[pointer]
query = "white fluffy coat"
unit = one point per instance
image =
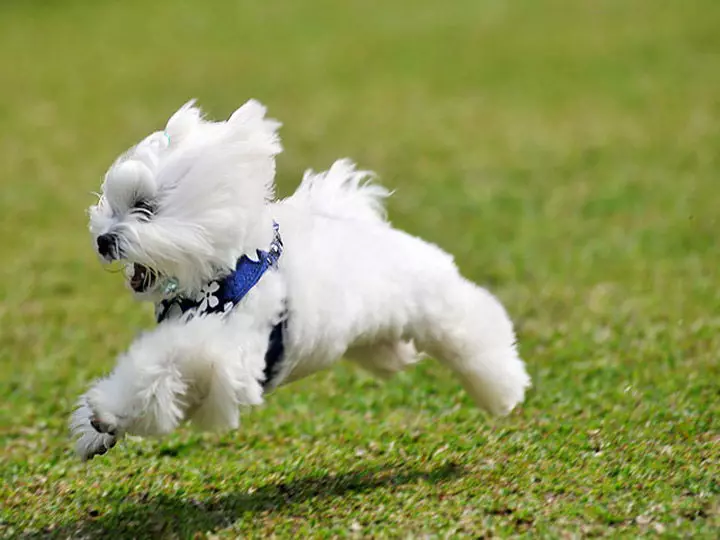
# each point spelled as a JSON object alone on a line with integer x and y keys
{"x": 353, "y": 286}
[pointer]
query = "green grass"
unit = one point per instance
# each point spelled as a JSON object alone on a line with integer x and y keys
{"x": 567, "y": 152}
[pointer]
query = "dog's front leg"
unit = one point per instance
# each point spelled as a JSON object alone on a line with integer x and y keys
{"x": 201, "y": 369}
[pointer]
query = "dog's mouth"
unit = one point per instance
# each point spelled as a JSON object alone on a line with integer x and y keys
{"x": 142, "y": 278}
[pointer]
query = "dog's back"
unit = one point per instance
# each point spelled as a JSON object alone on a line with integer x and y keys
{"x": 341, "y": 192}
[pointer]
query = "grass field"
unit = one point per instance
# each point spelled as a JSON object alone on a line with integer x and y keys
{"x": 566, "y": 151}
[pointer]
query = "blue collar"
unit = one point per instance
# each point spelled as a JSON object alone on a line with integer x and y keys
{"x": 223, "y": 295}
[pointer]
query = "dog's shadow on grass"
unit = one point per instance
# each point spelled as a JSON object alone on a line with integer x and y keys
{"x": 167, "y": 516}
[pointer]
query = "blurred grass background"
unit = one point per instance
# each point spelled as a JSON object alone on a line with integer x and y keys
{"x": 567, "y": 152}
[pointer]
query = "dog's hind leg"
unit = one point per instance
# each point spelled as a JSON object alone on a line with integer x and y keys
{"x": 386, "y": 358}
{"x": 467, "y": 329}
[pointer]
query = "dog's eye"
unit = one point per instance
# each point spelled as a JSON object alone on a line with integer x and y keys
{"x": 144, "y": 208}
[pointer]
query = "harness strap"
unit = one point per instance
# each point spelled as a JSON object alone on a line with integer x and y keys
{"x": 275, "y": 353}
{"x": 221, "y": 297}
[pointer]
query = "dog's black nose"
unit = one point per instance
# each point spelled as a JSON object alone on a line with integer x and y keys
{"x": 107, "y": 245}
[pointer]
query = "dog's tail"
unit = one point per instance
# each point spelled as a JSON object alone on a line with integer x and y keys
{"x": 343, "y": 192}
{"x": 474, "y": 337}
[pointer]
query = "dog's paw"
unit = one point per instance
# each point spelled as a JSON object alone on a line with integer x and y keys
{"x": 94, "y": 436}
{"x": 94, "y": 444}
{"x": 100, "y": 416}
{"x": 102, "y": 426}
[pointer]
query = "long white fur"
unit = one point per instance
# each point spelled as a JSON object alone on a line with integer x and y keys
{"x": 354, "y": 286}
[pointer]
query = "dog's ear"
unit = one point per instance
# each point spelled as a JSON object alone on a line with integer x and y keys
{"x": 183, "y": 122}
{"x": 250, "y": 124}
{"x": 234, "y": 158}
{"x": 252, "y": 114}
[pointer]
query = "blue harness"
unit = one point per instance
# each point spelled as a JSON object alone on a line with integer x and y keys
{"x": 221, "y": 296}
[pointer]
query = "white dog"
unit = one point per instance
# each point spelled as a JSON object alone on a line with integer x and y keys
{"x": 253, "y": 293}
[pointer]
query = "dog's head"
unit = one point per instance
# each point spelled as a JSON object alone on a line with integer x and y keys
{"x": 187, "y": 202}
